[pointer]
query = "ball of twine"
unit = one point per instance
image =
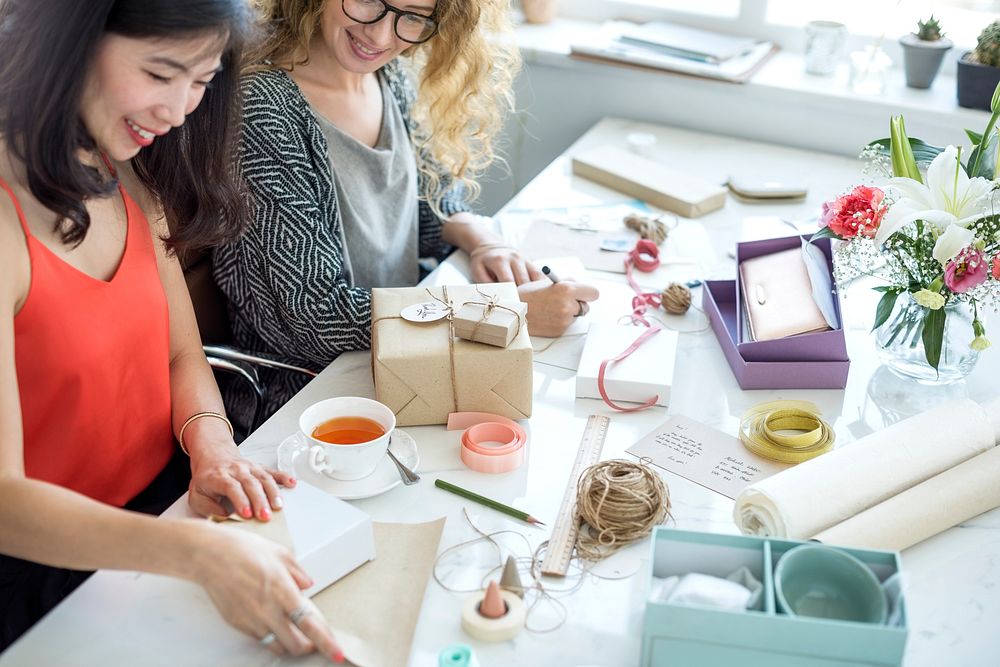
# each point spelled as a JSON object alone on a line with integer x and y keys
{"x": 620, "y": 501}
{"x": 676, "y": 299}
{"x": 652, "y": 229}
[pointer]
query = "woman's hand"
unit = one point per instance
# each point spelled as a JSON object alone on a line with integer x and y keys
{"x": 498, "y": 263}
{"x": 257, "y": 587}
{"x": 218, "y": 471}
{"x": 553, "y": 306}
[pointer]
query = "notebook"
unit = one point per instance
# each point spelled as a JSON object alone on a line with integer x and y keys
{"x": 687, "y": 42}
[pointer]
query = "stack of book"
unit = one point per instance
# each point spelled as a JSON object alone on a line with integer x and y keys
{"x": 678, "y": 48}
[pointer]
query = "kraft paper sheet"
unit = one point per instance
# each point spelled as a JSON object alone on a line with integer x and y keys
{"x": 943, "y": 501}
{"x": 373, "y": 611}
{"x": 813, "y": 496}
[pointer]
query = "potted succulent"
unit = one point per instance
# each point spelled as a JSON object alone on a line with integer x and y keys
{"x": 923, "y": 52}
{"x": 979, "y": 70}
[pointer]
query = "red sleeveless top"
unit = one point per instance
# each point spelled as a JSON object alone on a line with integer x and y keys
{"x": 93, "y": 369}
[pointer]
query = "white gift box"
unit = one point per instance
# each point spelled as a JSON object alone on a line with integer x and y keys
{"x": 647, "y": 372}
{"x": 330, "y": 538}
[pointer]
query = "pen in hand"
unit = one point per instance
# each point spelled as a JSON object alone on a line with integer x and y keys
{"x": 584, "y": 306}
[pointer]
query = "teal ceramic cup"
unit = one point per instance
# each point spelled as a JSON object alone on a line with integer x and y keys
{"x": 823, "y": 582}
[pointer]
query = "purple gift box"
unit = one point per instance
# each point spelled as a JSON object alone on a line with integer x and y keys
{"x": 719, "y": 303}
{"x": 820, "y": 346}
{"x": 808, "y": 361}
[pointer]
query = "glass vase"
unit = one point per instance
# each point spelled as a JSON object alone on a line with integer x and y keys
{"x": 901, "y": 347}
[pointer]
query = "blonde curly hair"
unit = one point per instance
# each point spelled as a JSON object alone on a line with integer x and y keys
{"x": 465, "y": 74}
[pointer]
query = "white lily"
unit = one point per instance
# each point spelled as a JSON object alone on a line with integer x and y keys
{"x": 950, "y": 243}
{"x": 949, "y": 198}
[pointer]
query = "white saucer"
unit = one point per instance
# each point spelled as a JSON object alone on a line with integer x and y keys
{"x": 293, "y": 458}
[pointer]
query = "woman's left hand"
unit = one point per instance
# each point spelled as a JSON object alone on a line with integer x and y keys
{"x": 219, "y": 472}
{"x": 496, "y": 263}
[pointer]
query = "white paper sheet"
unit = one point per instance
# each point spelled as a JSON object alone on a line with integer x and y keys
{"x": 704, "y": 455}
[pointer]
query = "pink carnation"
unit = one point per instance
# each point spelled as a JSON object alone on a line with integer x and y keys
{"x": 995, "y": 266}
{"x": 858, "y": 213}
{"x": 967, "y": 270}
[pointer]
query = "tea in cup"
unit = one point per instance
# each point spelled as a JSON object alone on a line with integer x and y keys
{"x": 347, "y": 436}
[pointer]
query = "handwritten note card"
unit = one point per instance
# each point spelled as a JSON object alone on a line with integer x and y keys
{"x": 704, "y": 455}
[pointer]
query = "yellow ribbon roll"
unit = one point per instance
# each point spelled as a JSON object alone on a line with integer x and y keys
{"x": 765, "y": 431}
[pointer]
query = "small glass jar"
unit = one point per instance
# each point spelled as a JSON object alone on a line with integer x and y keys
{"x": 869, "y": 71}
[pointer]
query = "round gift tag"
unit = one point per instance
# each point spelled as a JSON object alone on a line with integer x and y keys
{"x": 428, "y": 311}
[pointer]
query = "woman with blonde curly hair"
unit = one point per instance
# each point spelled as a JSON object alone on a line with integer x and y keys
{"x": 356, "y": 174}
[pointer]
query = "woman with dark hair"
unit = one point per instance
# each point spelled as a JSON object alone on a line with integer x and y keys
{"x": 100, "y": 360}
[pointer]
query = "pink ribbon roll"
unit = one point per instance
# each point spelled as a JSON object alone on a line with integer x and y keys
{"x": 484, "y": 427}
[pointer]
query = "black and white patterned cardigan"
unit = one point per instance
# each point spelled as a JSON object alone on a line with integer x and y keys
{"x": 285, "y": 277}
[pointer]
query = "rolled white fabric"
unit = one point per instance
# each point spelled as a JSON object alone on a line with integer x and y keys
{"x": 805, "y": 500}
{"x": 922, "y": 511}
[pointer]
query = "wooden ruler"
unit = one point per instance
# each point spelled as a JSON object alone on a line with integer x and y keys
{"x": 565, "y": 530}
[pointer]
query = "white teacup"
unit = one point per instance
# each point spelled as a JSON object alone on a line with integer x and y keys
{"x": 351, "y": 461}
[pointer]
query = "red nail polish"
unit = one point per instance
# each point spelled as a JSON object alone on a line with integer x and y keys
{"x": 291, "y": 481}
{"x": 247, "y": 513}
{"x": 265, "y": 514}
{"x": 338, "y": 657}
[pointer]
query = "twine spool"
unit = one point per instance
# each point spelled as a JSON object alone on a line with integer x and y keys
{"x": 676, "y": 299}
{"x": 620, "y": 501}
{"x": 652, "y": 229}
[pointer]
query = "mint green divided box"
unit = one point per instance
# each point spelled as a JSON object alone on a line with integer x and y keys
{"x": 698, "y": 636}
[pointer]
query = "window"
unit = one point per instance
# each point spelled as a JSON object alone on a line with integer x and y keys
{"x": 962, "y": 20}
{"x": 782, "y": 20}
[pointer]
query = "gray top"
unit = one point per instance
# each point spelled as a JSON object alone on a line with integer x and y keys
{"x": 378, "y": 200}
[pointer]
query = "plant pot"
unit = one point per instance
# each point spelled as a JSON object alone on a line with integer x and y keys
{"x": 538, "y": 11}
{"x": 976, "y": 84}
{"x": 922, "y": 59}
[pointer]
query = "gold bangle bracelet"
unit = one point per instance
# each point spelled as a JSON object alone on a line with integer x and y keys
{"x": 199, "y": 415}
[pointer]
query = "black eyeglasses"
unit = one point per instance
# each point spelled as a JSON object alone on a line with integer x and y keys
{"x": 409, "y": 26}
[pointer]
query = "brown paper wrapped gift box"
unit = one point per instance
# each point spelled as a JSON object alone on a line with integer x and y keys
{"x": 423, "y": 373}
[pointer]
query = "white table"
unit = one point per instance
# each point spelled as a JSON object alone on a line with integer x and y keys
{"x": 953, "y": 580}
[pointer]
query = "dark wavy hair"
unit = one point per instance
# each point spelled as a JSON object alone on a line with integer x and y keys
{"x": 48, "y": 47}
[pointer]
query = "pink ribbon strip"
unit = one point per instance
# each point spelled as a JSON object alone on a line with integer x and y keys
{"x": 646, "y": 335}
{"x": 484, "y": 427}
{"x": 645, "y": 256}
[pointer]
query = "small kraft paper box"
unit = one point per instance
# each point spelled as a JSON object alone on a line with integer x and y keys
{"x": 489, "y": 320}
{"x": 652, "y": 182}
{"x": 676, "y": 635}
{"x": 423, "y": 372}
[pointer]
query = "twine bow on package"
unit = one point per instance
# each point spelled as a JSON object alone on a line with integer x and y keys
{"x": 424, "y": 370}
{"x": 488, "y": 320}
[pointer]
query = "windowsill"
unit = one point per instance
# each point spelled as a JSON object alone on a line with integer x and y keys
{"x": 783, "y": 76}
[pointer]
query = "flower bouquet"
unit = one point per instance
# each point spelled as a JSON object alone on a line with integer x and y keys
{"x": 933, "y": 238}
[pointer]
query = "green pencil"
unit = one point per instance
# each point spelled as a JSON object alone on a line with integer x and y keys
{"x": 482, "y": 500}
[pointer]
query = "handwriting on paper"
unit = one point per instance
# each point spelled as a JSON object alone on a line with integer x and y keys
{"x": 704, "y": 455}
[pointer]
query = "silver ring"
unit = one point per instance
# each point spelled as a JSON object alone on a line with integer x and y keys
{"x": 584, "y": 309}
{"x": 268, "y": 639}
{"x": 296, "y": 615}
